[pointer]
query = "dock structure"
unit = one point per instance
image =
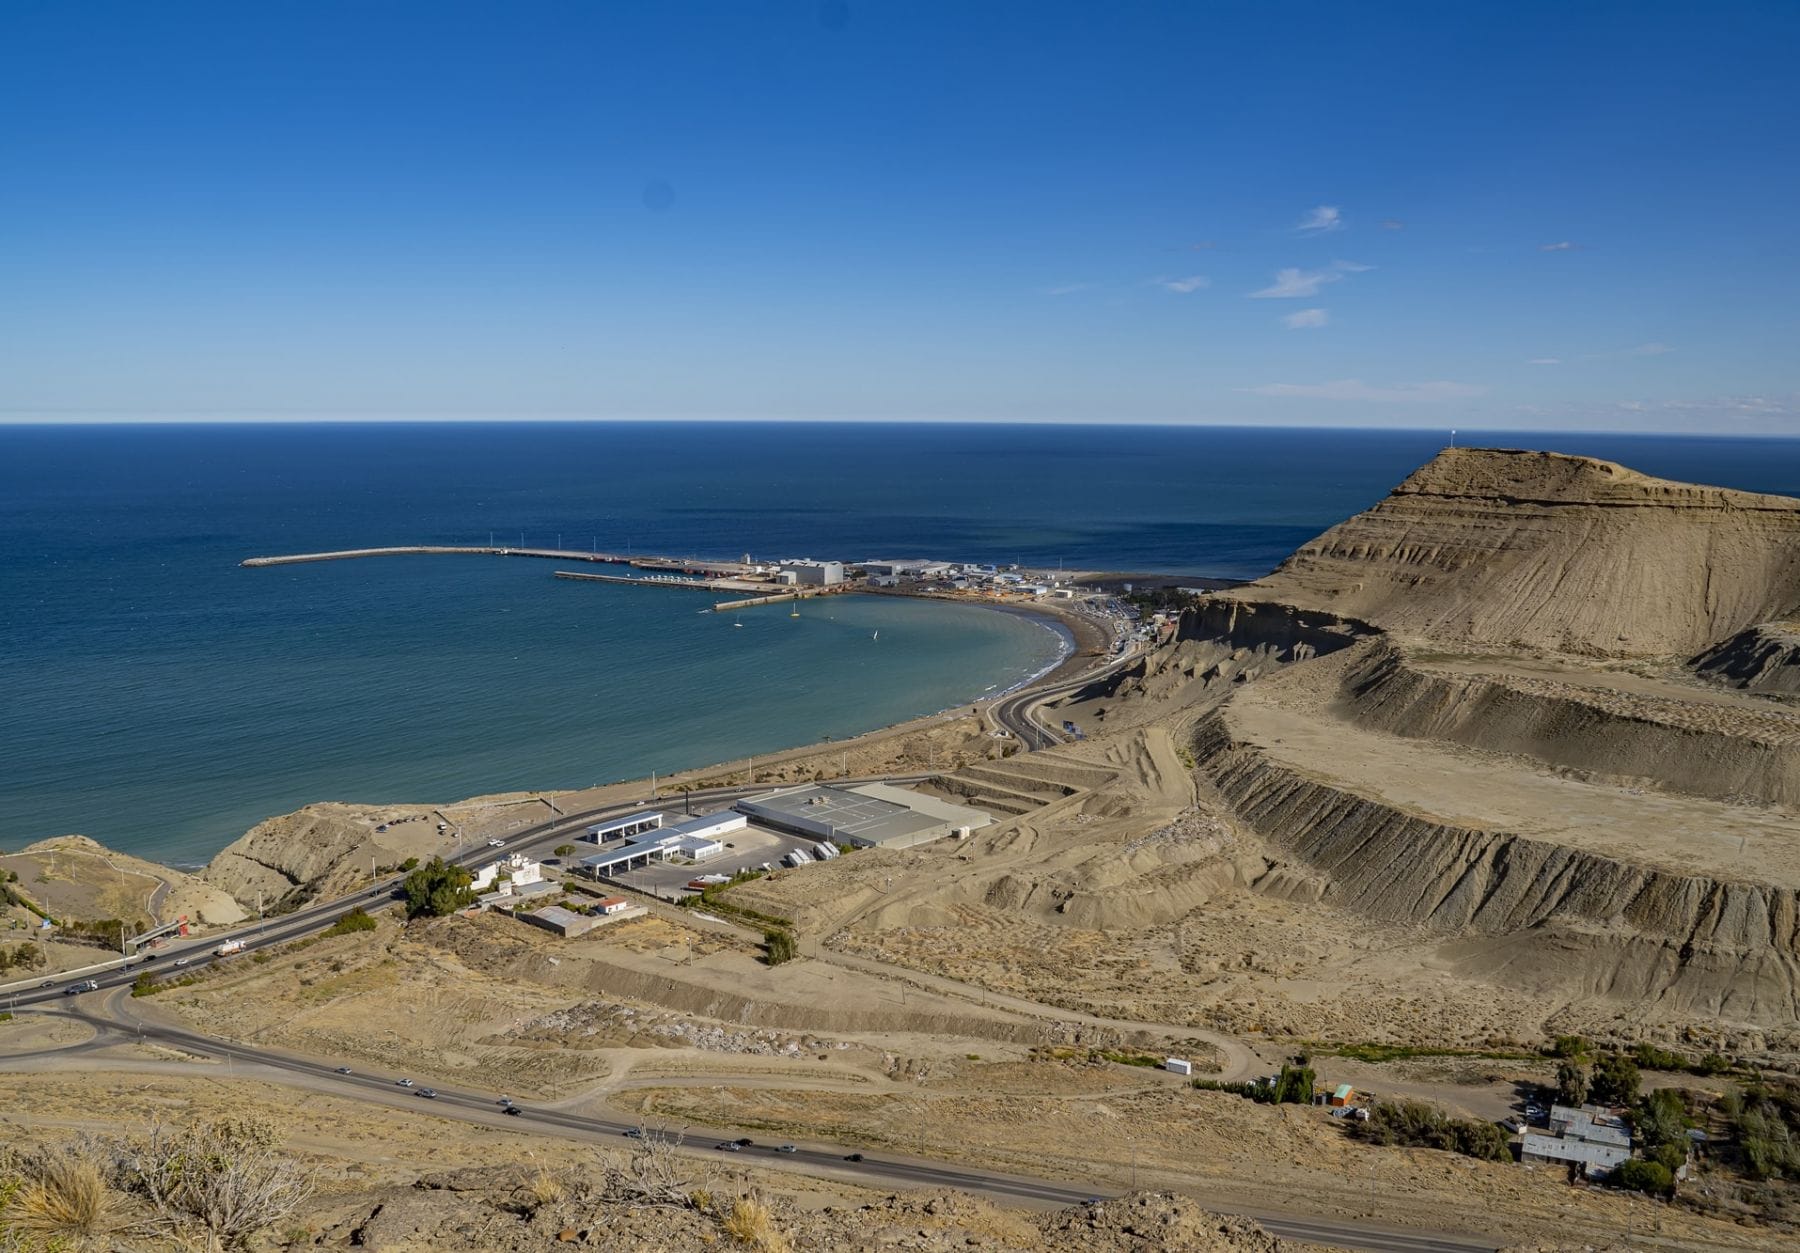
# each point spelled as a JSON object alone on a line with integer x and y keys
{"x": 807, "y": 593}
{"x": 683, "y": 565}
{"x": 635, "y": 580}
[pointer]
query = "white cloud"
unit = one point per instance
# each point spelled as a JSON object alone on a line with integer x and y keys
{"x": 1064, "y": 289}
{"x": 1356, "y": 389}
{"x": 1545, "y": 361}
{"x": 1182, "y": 286}
{"x": 1306, "y": 318}
{"x": 1562, "y": 245}
{"x": 1294, "y": 282}
{"x": 1322, "y": 219}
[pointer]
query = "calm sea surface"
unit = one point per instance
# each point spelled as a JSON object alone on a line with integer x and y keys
{"x": 157, "y": 697}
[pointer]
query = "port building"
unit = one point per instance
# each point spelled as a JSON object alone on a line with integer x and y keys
{"x": 868, "y": 815}
{"x": 696, "y": 839}
{"x": 806, "y": 571}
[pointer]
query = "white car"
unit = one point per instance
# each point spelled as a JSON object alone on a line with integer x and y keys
{"x": 496, "y": 843}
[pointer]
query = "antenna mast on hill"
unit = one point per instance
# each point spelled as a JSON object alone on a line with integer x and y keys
{"x": 1453, "y": 437}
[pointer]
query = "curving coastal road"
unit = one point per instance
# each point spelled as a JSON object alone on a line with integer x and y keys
{"x": 113, "y": 1021}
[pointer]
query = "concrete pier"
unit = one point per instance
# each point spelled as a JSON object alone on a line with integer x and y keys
{"x": 685, "y": 565}
{"x": 703, "y": 585}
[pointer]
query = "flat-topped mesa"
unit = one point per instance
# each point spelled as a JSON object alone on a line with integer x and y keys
{"x": 1515, "y": 549}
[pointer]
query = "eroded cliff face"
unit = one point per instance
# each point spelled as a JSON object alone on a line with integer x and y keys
{"x": 1740, "y": 750}
{"x": 1536, "y": 550}
{"x": 1764, "y": 658}
{"x": 320, "y": 851}
{"x": 1574, "y": 919}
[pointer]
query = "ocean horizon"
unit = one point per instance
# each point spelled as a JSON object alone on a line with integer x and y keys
{"x": 162, "y": 699}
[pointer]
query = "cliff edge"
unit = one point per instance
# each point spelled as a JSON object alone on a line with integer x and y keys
{"x": 1545, "y": 551}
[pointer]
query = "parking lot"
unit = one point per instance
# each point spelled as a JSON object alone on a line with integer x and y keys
{"x": 746, "y": 849}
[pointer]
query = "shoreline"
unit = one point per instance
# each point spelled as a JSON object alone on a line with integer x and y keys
{"x": 1078, "y": 637}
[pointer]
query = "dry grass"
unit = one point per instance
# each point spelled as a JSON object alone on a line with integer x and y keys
{"x": 65, "y": 1201}
{"x": 547, "y": 1189}
{"x": 751, "y": 1223}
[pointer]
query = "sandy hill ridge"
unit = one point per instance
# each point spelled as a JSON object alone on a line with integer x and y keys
{"x": 1510, "y": 548}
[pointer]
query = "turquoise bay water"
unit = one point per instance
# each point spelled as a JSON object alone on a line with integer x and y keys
{"x": 159, "y": 698}
{"x": 434, "y": 678}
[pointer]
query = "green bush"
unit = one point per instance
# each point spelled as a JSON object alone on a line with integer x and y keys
{"x": 409, "y": 865}
{"x": 437, "y": 888}
{"x": 1642, "y": 1176}
{"x": 563, "y": 850}
{"x": 1650, "y": 1057}
{"x": 779, "y": 947}
{"x": 1294, "y": 1086}
{"x": 1571, "y": 1083}
{"x": 1615, "y": 1081}
{"x": 1419, "y": 1125}
{"x": 356, "y": 920}
{"x": 1570, "y": 1046}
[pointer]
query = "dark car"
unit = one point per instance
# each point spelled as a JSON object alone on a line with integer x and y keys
{"x": 514, "y": 1110}
{"x": 744, "y": 1143}
{"x": 854, "y": 1157}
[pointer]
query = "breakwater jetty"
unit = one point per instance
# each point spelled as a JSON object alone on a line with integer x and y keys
{"x": 681, "y": 565}
{"x": 653, "y": 580}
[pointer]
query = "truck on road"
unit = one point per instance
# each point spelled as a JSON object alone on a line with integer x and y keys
{"x": 228, "y": 948}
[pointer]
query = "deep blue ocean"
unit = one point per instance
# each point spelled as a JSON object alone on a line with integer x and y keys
{"x": 159, "y": 698}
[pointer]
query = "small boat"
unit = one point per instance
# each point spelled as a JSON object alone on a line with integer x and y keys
{"x": 737, "y": 624}
{"x": 876, "y": 636}
{"x": 795, "y": 612}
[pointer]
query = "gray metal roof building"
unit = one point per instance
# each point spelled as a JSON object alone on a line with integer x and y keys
{"x": 852, "y": 816}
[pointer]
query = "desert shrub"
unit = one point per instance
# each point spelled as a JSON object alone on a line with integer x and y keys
{"x": 437, "y": 888}
{"x": 356, "y": 920}
{"x": 750, "y": 1222}
{"x": 1420, "y": 1125}
{"x": 1643, "y": 1176}
{"x": 1711, "y": 1064}
{"x": 225, "y": 1175}
{"x": 409, "y": 865}
{"x": 546, "y": 1188}
{"x": 779, "y": 946}
{"x": 61, "y": 1200}
{"x": 1570, "y": 1046}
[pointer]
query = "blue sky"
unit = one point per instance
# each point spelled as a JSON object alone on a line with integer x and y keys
{"x": 1488, "y": 215}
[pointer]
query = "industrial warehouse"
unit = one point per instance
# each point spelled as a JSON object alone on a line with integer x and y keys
{"x": 867, "y": 815}
{"x": 786, "y": 827}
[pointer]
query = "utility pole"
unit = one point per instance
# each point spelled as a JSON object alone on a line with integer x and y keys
{"x": 653, "y": 785}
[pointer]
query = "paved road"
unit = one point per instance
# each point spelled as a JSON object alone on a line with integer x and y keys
{"x": 1013, "y": 714}
{"x": 113, "y": 1021}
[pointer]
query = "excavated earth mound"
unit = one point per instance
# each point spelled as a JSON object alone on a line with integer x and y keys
{"x": 1764, "y": 658}
{"x": 1537, "y": 550}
